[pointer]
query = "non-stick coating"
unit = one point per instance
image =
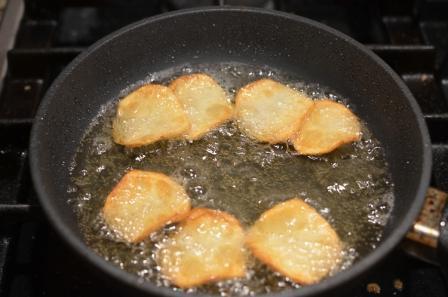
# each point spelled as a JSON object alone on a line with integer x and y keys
{"x": 261, "y": 37}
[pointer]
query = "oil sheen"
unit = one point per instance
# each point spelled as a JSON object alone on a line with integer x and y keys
{"x": 225, "y": 170}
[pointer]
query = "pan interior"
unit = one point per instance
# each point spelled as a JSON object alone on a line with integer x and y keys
{"x": 225, "y": 170}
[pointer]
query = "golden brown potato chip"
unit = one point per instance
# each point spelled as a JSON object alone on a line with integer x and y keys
{"x": 143, "y": 202}
{"x": 207, "y": 247}
{"x": 327, "y": 126}
{"x": 295, "y": 240}
{"x": 149, "y": 114}
{"x": 269, "y": 111}
{"x": 204, "y": 101}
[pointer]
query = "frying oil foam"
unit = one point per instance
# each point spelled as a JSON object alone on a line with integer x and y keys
{"x": 226, "y": 170}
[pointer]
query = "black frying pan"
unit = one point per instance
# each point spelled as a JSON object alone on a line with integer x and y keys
{"x": 253, "y": 36}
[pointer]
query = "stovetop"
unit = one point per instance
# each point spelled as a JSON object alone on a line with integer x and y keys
{"x": 411, "y": 36}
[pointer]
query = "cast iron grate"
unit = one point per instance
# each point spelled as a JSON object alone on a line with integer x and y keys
{"x": 409, "y": 35}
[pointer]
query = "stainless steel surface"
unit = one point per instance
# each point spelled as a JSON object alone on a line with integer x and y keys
{"x": 423, "y": 237}
{"x": 11, "y": 12}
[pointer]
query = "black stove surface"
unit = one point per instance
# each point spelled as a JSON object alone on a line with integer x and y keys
{"x": 412, "y": 36}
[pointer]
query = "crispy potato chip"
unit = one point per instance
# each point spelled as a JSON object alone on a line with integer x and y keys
{"x": 269, "y": 111}
{"x": 149, "y": 114}
{"x": 207, "y": 247}
{"x": 143, "y": 202}
{"x": 204, "y": 101}
{"x": 327, "y": 126}
{"x": 295, "y": 240}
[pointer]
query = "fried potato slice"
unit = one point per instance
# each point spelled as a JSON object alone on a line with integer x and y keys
{"x": 269, "y": 111}
{"x": 149, "y": 114}
{"x": 143, "y": 202}
{"x": 327, "y": 126}
{"x": 207, "y": 247}
{"x": 204, "y": 101}
{"x": 295, "y": 240}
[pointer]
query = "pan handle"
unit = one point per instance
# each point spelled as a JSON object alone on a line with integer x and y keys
{"x": 428, "y": 238}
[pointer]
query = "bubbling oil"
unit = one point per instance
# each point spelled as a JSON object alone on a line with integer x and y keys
{"x": 226, "y": 170}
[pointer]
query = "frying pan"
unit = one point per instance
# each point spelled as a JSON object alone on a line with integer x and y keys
{"x": 254, "y": 36}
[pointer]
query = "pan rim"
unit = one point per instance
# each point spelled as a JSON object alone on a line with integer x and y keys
{"x": 342, "y": 277}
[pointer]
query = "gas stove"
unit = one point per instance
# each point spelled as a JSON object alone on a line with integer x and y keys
{"x": 411, "y": 36}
